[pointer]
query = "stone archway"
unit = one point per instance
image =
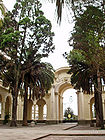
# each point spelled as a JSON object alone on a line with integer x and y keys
{"x": 62, "y": 88}
{"x": 62, "y": 83}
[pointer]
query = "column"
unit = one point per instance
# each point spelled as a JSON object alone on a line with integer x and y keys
{"x": 11, "y": 109}
{"x": 48, "y": 104}
{"x": 34, "y": 110}
{"x": 61, "y": 108}
{"x": 20, "y": 105}
{"x": 3, "y": 110}
{"x": 52, "y": 101}
{"x": 80, "y": 102}
{"x": 103, "y": 108}
{"x": 40, "y": 112}
{"x": 57, "y": 105}
{"x": 89, "y": 112}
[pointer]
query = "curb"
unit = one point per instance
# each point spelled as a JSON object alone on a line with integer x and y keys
{"x": 70, "y": 127}
{"x": 42, "y": 137}
{"x": 94, "y": 134}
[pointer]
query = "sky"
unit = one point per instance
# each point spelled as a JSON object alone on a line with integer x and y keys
{"x": 70, "y": 100}
{"x": 62, "y": 34}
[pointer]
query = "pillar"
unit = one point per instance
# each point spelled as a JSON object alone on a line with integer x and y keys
{"x": 34, "y": 110}
{"x": 48, "y": 104}
{"x": 80, "y": 101}
{"x": 52, "y": 107}
{"x": 57, "y": 105}
{"x": 11, "y": 109}
{"x": 40, "y": 112}
{"x": 20, "y": 105}
{"x": 61, "y": 108}
{"x": 3, "y": 110}
{"x": 89, "y": 117}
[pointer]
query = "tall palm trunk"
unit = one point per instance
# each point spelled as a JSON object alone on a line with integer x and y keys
{"x": 25, "y": 107}
{"x": 98, "y": 122}
{"x": 15, "y": 95}
{"x": 98, "y": 102}
{"x": 14, "y": 108}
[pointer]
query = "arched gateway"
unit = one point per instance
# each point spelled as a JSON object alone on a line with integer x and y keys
{"x": 50, "y": 108}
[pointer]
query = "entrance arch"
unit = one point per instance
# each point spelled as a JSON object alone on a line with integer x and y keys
{"x": 62, "y": 89}
{"x": 62, "y": 83}
{"x": 64, "y": 86}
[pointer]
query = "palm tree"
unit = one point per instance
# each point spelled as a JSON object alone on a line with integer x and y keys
{"x": 39, "y": 81}
{"x": 75, "y": 5}
{"x": 3, "y": 9}
{"x": 84, "y": 77}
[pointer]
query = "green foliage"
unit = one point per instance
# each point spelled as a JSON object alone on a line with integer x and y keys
{"x": 88, "y": 36}
{"x": 88, "y": 48}
{"x": 77, "y": 6}
{"x": 75, "y": 55}
{"x": 25, "y": 35}
{"x": 2, "y": 8}
{"x": 39, "y": 79}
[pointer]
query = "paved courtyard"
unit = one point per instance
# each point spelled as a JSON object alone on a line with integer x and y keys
{"x": 65, "y": 131}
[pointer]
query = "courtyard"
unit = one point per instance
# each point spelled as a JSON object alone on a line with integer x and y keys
{"x": 48, "y": 49}
{"x": 62, "y": 131}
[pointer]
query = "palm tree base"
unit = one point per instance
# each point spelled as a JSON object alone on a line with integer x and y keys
{"x": 13, "y": 123}
{"x": 25, "y": 124}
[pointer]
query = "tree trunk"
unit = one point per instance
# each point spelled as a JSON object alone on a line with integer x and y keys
{"x": 15, "y": 95}
{"x": 98, "y": 102}
{"x": 25, "y": 107}
{"x": 98, "y": 123}
{"x": 14, "y": 110}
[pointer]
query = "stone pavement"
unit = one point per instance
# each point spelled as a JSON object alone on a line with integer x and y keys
{"x": 65, "y": 131}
